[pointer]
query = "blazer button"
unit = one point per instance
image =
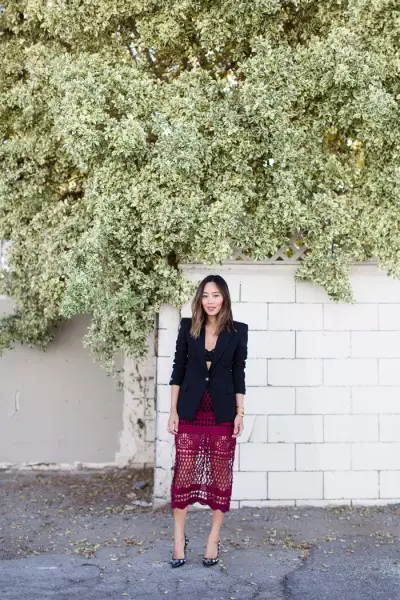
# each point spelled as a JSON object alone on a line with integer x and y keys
{"x": 207, "y": 378}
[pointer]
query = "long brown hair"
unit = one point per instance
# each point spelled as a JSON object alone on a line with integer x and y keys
{"x": 224, "y": 317}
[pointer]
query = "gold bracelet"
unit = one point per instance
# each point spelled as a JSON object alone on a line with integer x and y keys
{"x": 240, "y": 411}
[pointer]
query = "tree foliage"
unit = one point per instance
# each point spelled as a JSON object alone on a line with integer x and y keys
{"x": 137, "y": 135}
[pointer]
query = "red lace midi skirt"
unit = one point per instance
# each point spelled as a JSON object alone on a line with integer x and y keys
{"x": 204, "y": 455}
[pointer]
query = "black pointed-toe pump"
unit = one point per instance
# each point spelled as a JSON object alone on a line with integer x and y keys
{"x": 210, "y": 562}
{"x": 179, "y": 562}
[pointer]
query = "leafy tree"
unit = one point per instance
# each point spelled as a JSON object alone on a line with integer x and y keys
{"x": 137, "y": 135}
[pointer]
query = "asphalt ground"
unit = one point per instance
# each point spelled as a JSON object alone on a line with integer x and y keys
{"x": 92, "y": 536}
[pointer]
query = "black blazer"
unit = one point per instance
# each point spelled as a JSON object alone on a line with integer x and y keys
{"x": 225, "y": 377}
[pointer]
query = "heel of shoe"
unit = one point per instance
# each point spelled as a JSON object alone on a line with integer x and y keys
{"x": 179, "y": 562}
{"x": 210, "y": 562}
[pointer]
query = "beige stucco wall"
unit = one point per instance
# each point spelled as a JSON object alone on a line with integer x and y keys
{"x": 59, "y": 408}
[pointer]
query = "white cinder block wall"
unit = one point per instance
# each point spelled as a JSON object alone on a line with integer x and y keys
{"x": 322, "y": 422}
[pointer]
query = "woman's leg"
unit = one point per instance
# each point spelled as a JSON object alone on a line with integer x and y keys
{"x": 213, "y": 538}
{"x": 183, "y": 475}
{"x": 221, "y": 463}
{"x": 179, "y": 531}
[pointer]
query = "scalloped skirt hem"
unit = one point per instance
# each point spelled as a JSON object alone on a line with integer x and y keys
{"x": 222, "y": 507}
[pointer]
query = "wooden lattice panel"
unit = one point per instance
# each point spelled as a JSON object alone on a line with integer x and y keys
{"x": 292, "y": 252}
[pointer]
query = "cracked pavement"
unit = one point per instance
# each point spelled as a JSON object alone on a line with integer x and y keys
{"x": 68, "y": 536}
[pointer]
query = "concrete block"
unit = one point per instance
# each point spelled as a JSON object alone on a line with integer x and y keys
{"x": 271, "y": 344}
{"x": 322, "y": 344}
{"x": 168, "y": 317}
{"x": 165, "y": 454}
{"x": 234, "y": 284}
{"x": 295, "y": 486}
{"x": 248, "y": 423}
{"x": 267, "y": 289}
{"x": 390, "y": 484}
{"x": 389, "y": 316}
{"x": 308, "y": 292}
{"x": 166, "y": 342}
{"x": 256, "y": 372}
{"x": 267, "y": 457}
{"x": 270, "y": 400}
{"x": 389, "y": 429}
{"x": 375, "y": 344}
{"x": 350, "y": 428}
{"x": 295, "y": 428}
{"x": 350, "y": 317}
{"x": 376, "y": 400}
{"x": 161, "y": 428}
{"x": 379, "y": 288}
{"x": 255, "y": 314}
{"x": 389, "y": 371}
{"x": 163, "y": 398}
{"x": 295, "y": 372}
{"x": 295, "y": 316}
{"x": 323, "y": 457}
{"x": 323, "y": 400}
{"x": 186, "y": 310}
{"x": 379, "y": 457}
{"x": 259, "y": 431}
{"x": 164, "y": 369}
{"x": 162, "y": 486}
{"x": 350, "y": 371}
{"x": 249, "y": 486}
{"x": 351, "y": 484}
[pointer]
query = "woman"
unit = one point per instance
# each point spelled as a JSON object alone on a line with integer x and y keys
{"x": 207, "y": 395}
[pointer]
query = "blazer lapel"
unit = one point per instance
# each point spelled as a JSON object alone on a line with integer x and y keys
{"x": 223, "y": 341}
{"x": 201, "y": 347}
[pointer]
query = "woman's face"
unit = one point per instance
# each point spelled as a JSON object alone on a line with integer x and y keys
{"x": 212, "y": 299}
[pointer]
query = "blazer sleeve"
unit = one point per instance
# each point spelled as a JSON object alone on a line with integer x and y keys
{"x": 239, "y": 362}
{"x": 181, "y": 356}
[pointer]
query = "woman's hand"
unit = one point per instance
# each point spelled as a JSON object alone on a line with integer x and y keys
{"x": 173, "y": 423}
{"x": 238, "y": 426}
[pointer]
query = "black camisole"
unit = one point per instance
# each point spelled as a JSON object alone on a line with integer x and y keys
{"x": 210, "y": 355}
